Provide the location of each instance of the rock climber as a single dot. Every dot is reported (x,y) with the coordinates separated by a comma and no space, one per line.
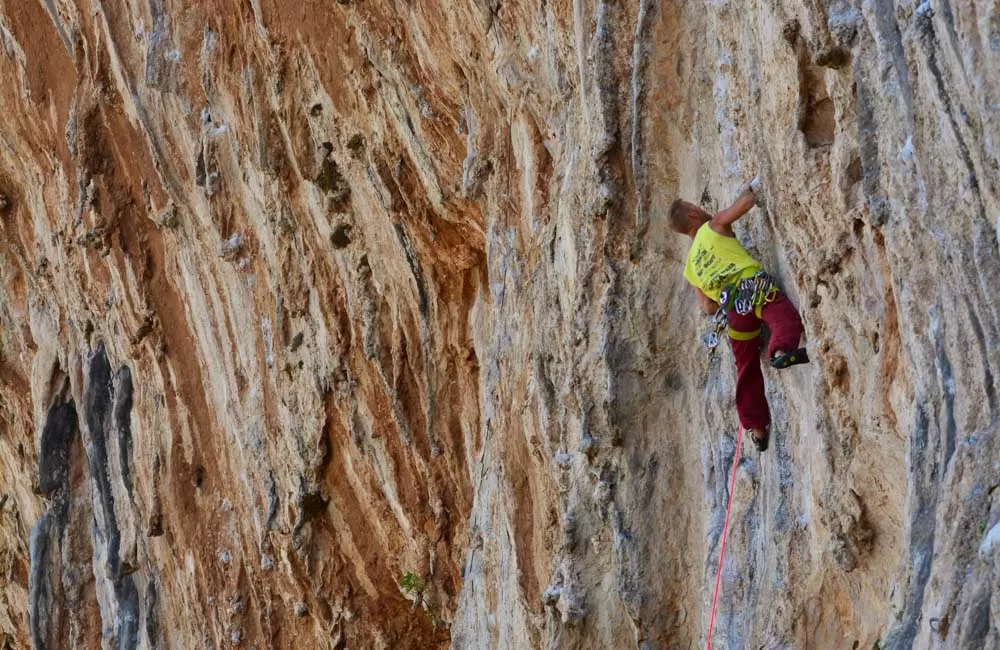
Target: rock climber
(734,287)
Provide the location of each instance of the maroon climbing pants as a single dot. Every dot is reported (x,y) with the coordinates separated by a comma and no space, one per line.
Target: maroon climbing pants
(786,328)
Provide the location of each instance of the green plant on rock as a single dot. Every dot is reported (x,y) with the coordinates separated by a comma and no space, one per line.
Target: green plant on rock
(412,583)
(356,145)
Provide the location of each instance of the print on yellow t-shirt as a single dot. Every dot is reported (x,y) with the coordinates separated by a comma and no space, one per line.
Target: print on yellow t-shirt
(716,261)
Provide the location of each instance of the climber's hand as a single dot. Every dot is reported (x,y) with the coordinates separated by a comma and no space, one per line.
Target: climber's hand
(753,190)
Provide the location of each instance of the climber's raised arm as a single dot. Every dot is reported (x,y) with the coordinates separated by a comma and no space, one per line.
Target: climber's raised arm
(723,221)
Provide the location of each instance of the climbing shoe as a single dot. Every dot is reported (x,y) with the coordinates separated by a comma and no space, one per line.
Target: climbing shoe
(760,442)
(790,359)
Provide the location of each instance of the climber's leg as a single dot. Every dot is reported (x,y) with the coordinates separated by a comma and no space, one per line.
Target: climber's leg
(751,402)
(786,332)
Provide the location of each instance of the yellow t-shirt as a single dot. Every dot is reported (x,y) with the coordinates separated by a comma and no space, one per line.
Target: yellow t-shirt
(716,261)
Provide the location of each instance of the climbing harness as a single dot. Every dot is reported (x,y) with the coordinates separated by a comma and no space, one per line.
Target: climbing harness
(743,298)
(725,534)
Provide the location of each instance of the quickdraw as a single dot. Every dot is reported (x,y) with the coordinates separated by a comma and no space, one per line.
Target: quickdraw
(759,289)
(714,336)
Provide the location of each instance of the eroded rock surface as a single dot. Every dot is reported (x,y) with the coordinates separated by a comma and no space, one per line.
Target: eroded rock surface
(357,324)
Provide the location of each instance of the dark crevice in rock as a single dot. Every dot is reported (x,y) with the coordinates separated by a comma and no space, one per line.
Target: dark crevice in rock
(332,182)
(272,501)
(106,411)
(127,623)
(97,406)
(123,423)
(922,530)
(149,607)
(341,237)
(312,504)
(42,597)
(418,277)
(948,17)
(980,338)
(46,603)
(871,181)
(58,432)
(948,390)
(199,169)
(817,113)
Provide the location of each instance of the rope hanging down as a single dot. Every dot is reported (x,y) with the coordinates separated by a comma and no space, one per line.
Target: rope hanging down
(725,534)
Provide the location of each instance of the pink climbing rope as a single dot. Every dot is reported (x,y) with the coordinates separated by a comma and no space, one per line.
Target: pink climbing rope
(725,533)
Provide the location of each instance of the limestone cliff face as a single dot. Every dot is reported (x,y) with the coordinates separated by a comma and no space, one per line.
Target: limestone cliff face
(357,324)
